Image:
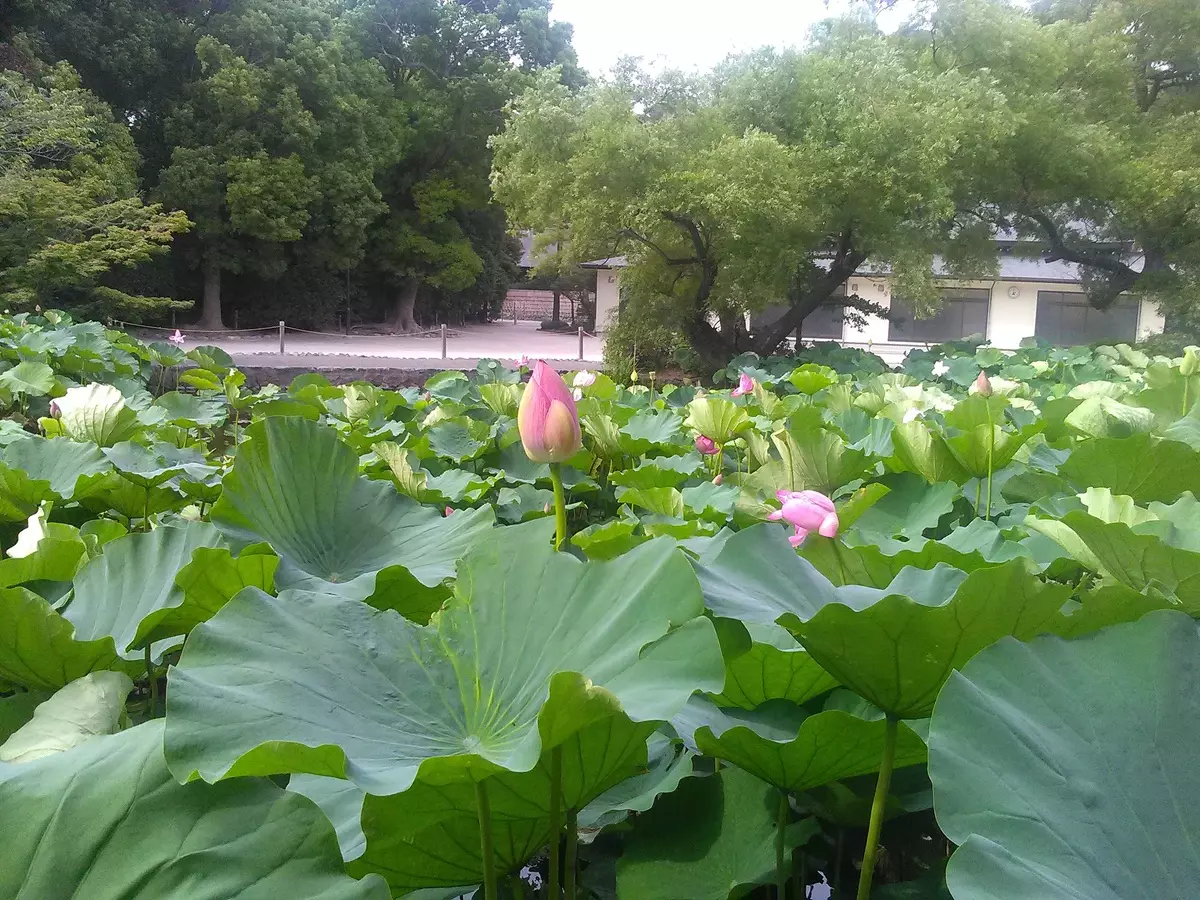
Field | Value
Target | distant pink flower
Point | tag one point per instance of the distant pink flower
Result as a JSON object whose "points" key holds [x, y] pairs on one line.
{"points": [[547, 418], [745, 386], [807, 511], [719, 479], [177, 339], [706, 445], [983, 384], [449, 511], [523, 362]]}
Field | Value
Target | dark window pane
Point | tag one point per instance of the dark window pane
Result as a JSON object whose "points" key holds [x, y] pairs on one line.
{"points": [[964, 312], [824, 323], [1065, 318]]}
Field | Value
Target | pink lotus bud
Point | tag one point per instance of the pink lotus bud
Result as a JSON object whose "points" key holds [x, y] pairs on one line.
{"points": [[746, 385], [983, 385], [806, 511], [706, 445], [547, 509], [55, 410], [547, 419], [719, 479], [449, 511]]}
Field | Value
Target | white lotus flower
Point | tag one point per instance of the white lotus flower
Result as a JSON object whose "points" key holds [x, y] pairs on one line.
{"points": [[940, 368], [584, 378], [30, 536]]}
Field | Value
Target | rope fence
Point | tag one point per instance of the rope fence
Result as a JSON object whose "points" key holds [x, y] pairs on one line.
{"points": [[283, 328]]}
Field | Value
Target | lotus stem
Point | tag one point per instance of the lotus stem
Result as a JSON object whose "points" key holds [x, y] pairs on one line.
{"points": [[153, 683], [484, 808], [991, 456], [781, 873], [572, 852], [560, 506], [878, 807], [555, 825]]}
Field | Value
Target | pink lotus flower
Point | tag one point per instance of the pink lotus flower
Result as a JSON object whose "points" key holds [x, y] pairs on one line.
{"points": [[807, 511], [745, 386], [523, 362], [719, 479], [177, 339], [449, 511], [706, 445], [983, 384], [547, 418]]}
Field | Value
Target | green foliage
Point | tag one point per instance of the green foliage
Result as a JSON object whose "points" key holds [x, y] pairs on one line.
{"points": [[69, 207]]}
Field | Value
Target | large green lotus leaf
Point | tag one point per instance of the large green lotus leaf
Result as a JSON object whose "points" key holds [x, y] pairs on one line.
{"points": [[810, 459], [755, 575], [894, 646], [17, 709], [647, 429], [982, 444], [96, 413], [660, 472], [336, 539], [1071, 769], [151, 466], [38, 648], [1178, 523], [409, 836], [134, 578], [189, 411], [465, 696], [709, 839], [56, 557], [107, 821], [33, 379], [1107, 417], [775, 667], [784, 746], [208, 582], [667, 765], [907, 510], [1144, 467], [1140, 561], [921, 451], [1108, 604], [56, 464], [86, 708]]}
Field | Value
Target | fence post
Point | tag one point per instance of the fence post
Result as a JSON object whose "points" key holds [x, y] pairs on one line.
{"points": [[514, 312], [581, 343], [281, 337], [443, 341]]}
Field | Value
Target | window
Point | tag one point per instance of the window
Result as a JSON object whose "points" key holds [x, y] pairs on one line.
{"points": [[1067, 319], [823, 324], [964, 312]]}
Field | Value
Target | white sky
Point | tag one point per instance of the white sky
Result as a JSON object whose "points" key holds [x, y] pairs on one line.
{"points": [[685, 34]]}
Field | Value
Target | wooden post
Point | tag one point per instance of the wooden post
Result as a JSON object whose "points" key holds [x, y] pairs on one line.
{"points": [[581, 343], [514, 312], [281, 337], [443, 342]]}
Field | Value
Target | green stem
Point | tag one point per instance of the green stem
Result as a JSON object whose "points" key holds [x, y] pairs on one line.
{"points": [[978, 488], [555, 825], [878, 807], [560, 506], [572, 852], [485, 841], [991, 456], [1187, 382], [150, 674], [781, 873]]}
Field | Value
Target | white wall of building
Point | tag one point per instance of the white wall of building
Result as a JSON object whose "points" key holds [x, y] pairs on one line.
{"points": [[1012, 311], [608, 297]]}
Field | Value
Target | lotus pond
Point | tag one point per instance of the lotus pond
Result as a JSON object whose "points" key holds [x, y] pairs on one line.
{"points": [[318, 642]]}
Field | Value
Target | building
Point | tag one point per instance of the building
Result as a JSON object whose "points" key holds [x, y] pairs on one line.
{"points": [[1029, 297]]}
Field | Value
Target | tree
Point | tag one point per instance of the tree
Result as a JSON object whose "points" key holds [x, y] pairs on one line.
{"points": [[1101, 159], [453, 66], [69, 205], [770, 181], [275, 146]]}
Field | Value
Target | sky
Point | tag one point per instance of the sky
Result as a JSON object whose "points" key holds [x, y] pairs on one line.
{"points": [[685, 34]]}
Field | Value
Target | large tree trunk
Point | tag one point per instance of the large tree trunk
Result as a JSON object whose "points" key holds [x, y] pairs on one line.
{"points": [[406, 301], [554, 316], [210, 314]]}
